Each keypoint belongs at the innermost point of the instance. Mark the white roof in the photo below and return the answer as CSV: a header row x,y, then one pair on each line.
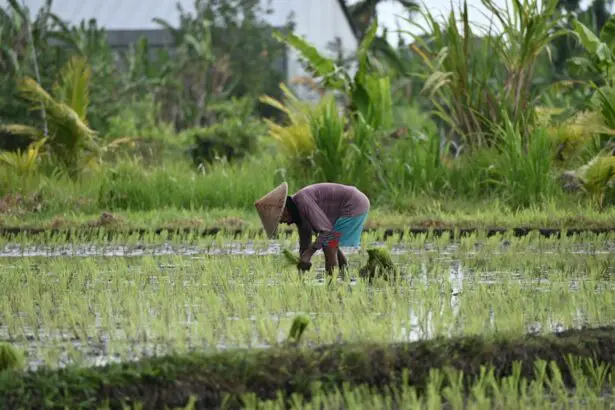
x,y
138,14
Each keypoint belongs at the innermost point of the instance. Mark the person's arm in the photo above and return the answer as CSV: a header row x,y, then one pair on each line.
x,y
319,222
305,238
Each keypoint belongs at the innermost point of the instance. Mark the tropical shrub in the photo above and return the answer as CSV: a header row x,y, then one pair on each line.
x,y
522,170
230,139
414,163
24,162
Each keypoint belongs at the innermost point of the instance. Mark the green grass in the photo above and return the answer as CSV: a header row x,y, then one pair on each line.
x,y
174,195
421,213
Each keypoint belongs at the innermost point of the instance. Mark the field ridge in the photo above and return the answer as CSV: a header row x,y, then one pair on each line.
x,y
452,231
227,375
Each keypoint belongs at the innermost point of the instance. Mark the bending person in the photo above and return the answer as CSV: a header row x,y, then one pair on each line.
x,y
336,213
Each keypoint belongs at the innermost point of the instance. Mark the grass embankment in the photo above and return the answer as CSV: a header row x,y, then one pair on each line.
x,y
490,218
225,377
175,196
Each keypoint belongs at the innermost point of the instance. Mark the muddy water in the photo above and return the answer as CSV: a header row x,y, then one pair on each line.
x,y
61,348
250,248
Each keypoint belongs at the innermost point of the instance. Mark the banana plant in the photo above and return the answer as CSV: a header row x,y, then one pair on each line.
x,y
600,59
597,176
600,48
368,90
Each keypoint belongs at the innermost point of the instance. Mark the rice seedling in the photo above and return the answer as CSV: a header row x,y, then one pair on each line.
x,y
130,301
96,303
446,388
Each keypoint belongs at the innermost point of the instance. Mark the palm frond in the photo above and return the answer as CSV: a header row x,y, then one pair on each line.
x,y
22,130
70,136
72,88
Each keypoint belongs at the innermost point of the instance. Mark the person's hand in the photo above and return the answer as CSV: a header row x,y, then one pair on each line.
x,y
304,261
304,266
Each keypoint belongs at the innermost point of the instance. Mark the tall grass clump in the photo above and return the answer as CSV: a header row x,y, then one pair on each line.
x,y
129,186
330,148
522,170
477,79
519,169
415,165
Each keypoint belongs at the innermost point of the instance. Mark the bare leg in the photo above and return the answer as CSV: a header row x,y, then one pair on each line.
x,y
330,259
341,258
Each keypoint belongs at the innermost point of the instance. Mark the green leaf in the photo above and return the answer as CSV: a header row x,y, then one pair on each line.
x,y
363,52
607,33
390,55
604,53
324,67
72,87
22,130
587,38
11,56
367,41
360,99
579,65
20,11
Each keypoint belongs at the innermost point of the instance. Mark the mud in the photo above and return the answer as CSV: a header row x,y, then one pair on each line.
x,y
252,248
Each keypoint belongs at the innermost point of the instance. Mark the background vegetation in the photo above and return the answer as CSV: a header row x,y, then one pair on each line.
x,y
523,115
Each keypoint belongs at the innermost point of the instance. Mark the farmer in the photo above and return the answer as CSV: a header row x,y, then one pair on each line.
x,y
335,212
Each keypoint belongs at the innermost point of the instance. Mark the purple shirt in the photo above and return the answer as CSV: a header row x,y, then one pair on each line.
x,y
320,205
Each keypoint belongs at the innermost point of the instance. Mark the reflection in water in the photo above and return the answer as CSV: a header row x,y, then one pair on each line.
x,y
425,329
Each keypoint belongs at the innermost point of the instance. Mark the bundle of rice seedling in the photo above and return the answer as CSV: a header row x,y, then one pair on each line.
x,y
10,357
290,257
300,323
379,263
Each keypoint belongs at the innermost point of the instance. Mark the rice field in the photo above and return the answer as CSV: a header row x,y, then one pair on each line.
x,y
75,304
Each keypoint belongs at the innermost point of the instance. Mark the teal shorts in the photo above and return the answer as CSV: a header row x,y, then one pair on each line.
x,y
347,231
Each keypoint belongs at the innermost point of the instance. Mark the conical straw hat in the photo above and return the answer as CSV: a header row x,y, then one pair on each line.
x,y
270,208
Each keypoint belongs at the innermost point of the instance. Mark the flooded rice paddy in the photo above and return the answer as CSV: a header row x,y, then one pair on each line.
x,y
99,302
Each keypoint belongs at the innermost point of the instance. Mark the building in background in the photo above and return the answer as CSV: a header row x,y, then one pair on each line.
x,y
321,22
